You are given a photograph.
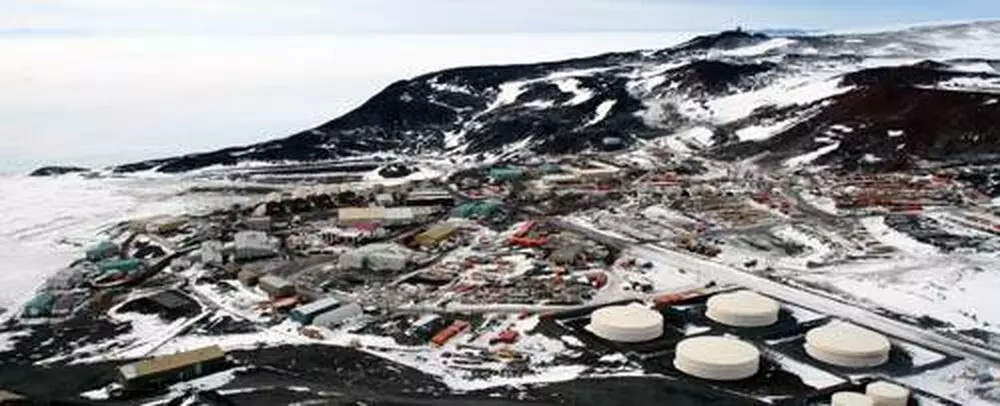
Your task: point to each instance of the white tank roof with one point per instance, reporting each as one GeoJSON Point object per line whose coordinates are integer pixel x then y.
{"type": "Point", "coordinates": [628, 323]}
{"type": "Point", "coordinates": [887, 394]}
{"type": "Point", "coordinates": [717, 358]}
{"type": "Point", "coordinates": [743, 309]}
{"type": "Point", "coordinates": [847, 345]}
{"type": "Point", "coordinates": [850, 399]}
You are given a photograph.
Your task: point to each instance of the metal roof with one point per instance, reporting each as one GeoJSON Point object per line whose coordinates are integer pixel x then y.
{"type": "Point", "coordinates": [171, 362]}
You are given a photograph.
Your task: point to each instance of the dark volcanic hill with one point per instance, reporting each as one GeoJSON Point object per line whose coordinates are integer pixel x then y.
{"type": "Point", "coordinates": [874, 100]}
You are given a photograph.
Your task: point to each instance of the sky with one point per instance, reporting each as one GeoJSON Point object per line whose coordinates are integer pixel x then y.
{"type": "Point", "coordinates": [293, 17]}
{"type": "Point", "coordinates": [99, 82]}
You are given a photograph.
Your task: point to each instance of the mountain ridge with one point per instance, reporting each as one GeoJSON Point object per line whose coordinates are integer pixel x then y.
{"type": "Point", "coordinates": [729, 83]}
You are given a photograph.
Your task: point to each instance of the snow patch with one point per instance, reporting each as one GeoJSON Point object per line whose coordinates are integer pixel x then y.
{"type": "Point", "coordinates": [811, 156]}
{"type": "Point", "coordinates": [572, 85]}
{"type": "Point", "coordinates": [602, 111]}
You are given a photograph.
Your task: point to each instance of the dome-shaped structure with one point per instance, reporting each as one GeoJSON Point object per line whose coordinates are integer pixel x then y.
{"type": "Point", "coordinates": [627, 324]}
{"type": "Point", "coordinates": [850, 399]}
{"type": "Point", "coordinates": [743, 309]}
{"type": "Point", "coordinates": [717, 358]}
{"type": "Point", "coordinates": [847, 345]}
{"type": "Point", "coordinates": [887, 394]}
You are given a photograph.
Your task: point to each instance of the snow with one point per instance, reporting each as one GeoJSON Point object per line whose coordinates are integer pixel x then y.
{"type": "Point", "coordinates": [761, 48]}
{"type": "Point", "coordinates": [763, 132]}
{"type": "Point", "coordinates": [877, 228]}
{"type": "Point", "coordinates": [572, 85]}
{"type": "Point", "coordinates": [572, 341]}
{"type": "Point", "coordinates": [701, 136]}
{"type": "Point", "coordinates": [42, 217]}
{"type": "Point", "coordinates": [870, 158]}
{"type": "Point", "coordinates": [602, 111]}
{"type": "Point", "coordinates": [823, 203]}
{"type": "Point", "coordinates": [9, 338]}
{"type": "Point", "coordinates": [796, 91]}
{"type": "Point", "coordinates": [967, 382]}
{"type": "Point", "coordinates": [507, 94]}
{"type": "Point", "coordinates": [811, 156]}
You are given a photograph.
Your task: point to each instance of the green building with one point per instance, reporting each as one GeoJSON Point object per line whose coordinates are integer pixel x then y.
{"type": "Point", "coordinates": [120, 265]}
{"type": "Point", "coordinates": [502, 173]}
{"type": "Point", "coordinates": [477, 209]}
{"type": "Point", "coordinates": [101, 251]}
{"type": "Point", "coordinates": [40, 305]}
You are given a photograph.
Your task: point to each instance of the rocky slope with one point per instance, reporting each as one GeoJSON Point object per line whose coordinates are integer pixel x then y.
{"type": "Point", "coordinates": [878, 101]}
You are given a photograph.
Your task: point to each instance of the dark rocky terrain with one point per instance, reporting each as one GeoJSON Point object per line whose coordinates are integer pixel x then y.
{"type": "Point", "coordinates": [887, 100]}
{"type": "Point", "coordinates": [57, 170]}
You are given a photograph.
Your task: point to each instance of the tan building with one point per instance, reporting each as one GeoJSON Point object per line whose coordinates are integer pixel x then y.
{"type": "Point", "coordinates": [435, 235]}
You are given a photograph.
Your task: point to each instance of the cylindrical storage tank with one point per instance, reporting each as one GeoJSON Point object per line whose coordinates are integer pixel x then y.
{"type": "Point", "coordinates": [627, 324]}
{"type": "Point", "coordinates": [847, 345]}
{"type": "Point", "coordinates": [850, 399]}
{"type": "Point", "coordinates": [887, 394]}
{"type": "Point", "coordinates": [717, 358]}
{"type": "Point", "coordinates": [743, 309]}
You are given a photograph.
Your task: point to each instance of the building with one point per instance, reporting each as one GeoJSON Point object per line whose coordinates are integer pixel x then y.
{"type": "Point", "coordinates": [276, 286]}
{"type": "Point", "coordinates": [376, 257]}
{"type": "Point", "coordinates": [248, 277]}
{"type": "Point", "coordinates": [40, 306]}
{"type": "Point", "coordinates": [101, 251]}
{"type": "Point", "coordinates": [306, 313]}
{"type": "Point", "coordinates": [435, 235]}
{"type": "Point", "coordinates": [430, 197]}
{"type": "Point", "coordinates": [387, 261]}
{"type": "Point", "coordinates": [478, 209]}
{"type": "Point", "coordinates": [506, 174]}
{"type": "Point", "coordinates": [249, 245]}
{"type": "Point", "coordinates": [337, 316]}
{"type": "Point", "coordinates": [258, 223]}
{"type": "Point", "coordinates": [128, 265]}
{"type": "Point", "coordinates": [380, 215]}
{"type": "Point", "coordinates": [162, 370]}
{"type": "Point", "coordinates": [211, 252]}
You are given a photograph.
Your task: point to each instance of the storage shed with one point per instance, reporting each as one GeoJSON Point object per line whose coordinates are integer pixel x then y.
{"type": "Point", "coordinates": [276, 286]}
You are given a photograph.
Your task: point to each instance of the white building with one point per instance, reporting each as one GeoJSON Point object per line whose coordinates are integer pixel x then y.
{"type": "Point", "coordinates": [252, 245]}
